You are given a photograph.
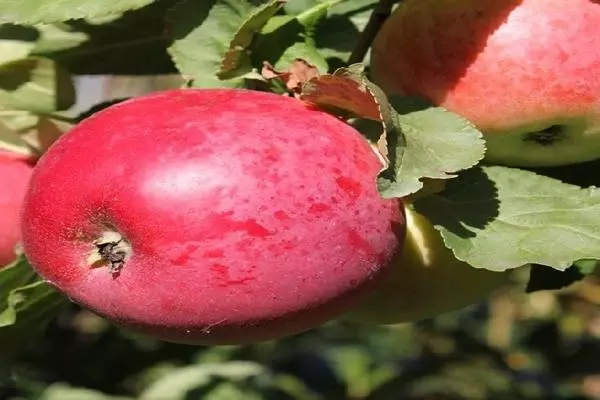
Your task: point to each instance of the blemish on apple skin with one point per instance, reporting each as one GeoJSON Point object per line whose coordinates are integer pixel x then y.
{"type": "Point", "coordinates": [358, 242]}
{"type": "Point", "coordinates": [182, 259]}
{"type": "Point", "coordinates": [288, 244]}
{"type": "Point", "coordinates": [349, 186]}
{"type": "Point", "coordinates": [271, 154]}
{"type": "Point", "coordinates": [226, 224]}
{"type": "Point", "coordinates": [221, 273]}
{"type": "Point", "coordinates": [220, 269]}
{"type": "Point", "coordinates": [254, 228]}
{"type": "Point", "coordinates": [281, 215]}
{"type": "Point", "coordinates": [318, 208]}
{"type": "Point", "coordinates": [185, 255]}
{"type": "Point", "coordinates": [214, 253]}
{"type": "Point", "coordinates": [282, 247]}
{"type": "Point", "coordinates": [191, 247]}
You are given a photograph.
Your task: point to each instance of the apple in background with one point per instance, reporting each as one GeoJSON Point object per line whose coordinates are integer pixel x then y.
{"type": "Point", "coordinates": [426, 280]}
{"type": "Point", "coordinates": [15, 172]}
{"type": "Point", "coordinates": [525, 72]}
{"type": "Point", "coordinates": [213, 216]}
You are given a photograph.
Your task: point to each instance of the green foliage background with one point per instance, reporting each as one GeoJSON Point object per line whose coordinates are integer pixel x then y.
{"type": "Point", "coordinates": [516, 346]}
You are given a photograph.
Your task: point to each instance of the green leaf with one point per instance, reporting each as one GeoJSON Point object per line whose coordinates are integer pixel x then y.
{"type": "Point", "coordinates": [303, 51]}
{"type": "Point", "coordinates": [30, 134]}
{"type": "Point", "coordinates": [57, 37]}
{"type": "Point", "coordinates": [237, 57]}
{"type": "Point", "coordinates": [298, 6]}
{"type": "Point", "coordinates": [581, 174]}
{"type": "Point", "coordinates": [419, 142]}
{"type": "Point", "coordinates": [134, 43]}
{"type": "Point", "coordinates": [336, 36]}
{"type": "Point", "coordinates": [499, 218]}
{"type": "Point", "coordinates": [16, 42]}
{"type": "Point", "coordinates": [311, 17]}
{"type": "Point", "coordinates": [14, 275]}
{"type": "Point", "coordinates": [353, 365]}
{"type": "Point", "coordinates": [61, 391]}
{"type": "Point", "coordinates": [278, 34]}
{"type": "Point", "coordinates": [293, 387]}
{"type": "Point", "coordinates": [27, 304]}
{"type": "Point", "coordinates": [202, 31]}
{"type": "Point", "coordinates": [427, 142]}
{"type": "Point", "coordinates": [586, 267]}
{"type": "Point", "coordinates": [13, 142]}
{"type": "Point", "coordinates": [231, 391]}
{"type": "Point", "coordinates": [176, 384]}
{"type": "Point", "coordinates": [34, 11]}
{"type": "Point", "coordinates": [18, 120]}
{"type": "Point", "coordinates": [21, 298]}
{"type": "Point", "coordinates": [38, 85]}
{"type": "Point", "coordinates": [286, 38]}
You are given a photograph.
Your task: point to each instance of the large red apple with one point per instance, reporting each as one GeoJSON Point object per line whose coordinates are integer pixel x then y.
{"type": "Point", "coordinates": [526, 72]}
{"type": "Point", "coordinates": [15, 172]}
{"type": "Point", "coordinates": [211, 216]}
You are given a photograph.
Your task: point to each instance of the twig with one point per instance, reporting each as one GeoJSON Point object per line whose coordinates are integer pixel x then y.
{"type": "Point", "coordinates": [381, 12]}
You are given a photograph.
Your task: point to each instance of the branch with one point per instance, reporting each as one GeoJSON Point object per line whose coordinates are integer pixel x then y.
{"type": "Point", "coordinates": [381, 12]}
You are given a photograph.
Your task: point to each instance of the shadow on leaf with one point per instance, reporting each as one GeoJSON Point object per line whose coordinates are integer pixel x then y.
{"type": "Point", "coordinates": [133, 44]}
{"type": "Point", "coordinates": [18, 32]}
{"type": "Point", "coordinates": [468, 201]}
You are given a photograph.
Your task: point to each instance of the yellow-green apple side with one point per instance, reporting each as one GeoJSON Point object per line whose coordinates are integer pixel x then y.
{"type": "Point", "coordinates": [426, 280]}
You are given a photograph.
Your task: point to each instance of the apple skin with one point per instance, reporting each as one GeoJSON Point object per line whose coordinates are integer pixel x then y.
{"type": "Point", "coordinates": [426, 280]}
{"type": "Point", "coordinates": [245, 216]}
{"type": "Point", "coordinates": [15, 172]}
{"type": "Point", "coordinates": [525, 72]}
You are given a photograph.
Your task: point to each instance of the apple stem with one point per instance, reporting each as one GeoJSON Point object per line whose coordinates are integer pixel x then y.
{"type": "Point", "coordinates": [111, 250]}
{"type": "Point", "coordinates": [111, 253]}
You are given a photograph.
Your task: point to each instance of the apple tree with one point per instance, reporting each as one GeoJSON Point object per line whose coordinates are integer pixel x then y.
{"type": "Point", "coordinates": [464, 137]}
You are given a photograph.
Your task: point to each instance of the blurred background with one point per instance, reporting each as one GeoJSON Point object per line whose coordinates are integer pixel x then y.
{"type": "Point", "coordinates": [543, 345]}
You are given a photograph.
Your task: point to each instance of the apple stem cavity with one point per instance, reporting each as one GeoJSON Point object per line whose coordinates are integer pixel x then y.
{"type": "Point", "coordinates": [546, 137]}
{"type": "Point", "coordinates": [111, 250]}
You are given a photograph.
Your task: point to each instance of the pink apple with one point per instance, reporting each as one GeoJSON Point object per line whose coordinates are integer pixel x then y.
{"type": "Point", "coordinates": [526, 72]}
{"type": "Point", "coordinates": [211, 216]}
{"type": "Point", "coordinates": [15, 172]}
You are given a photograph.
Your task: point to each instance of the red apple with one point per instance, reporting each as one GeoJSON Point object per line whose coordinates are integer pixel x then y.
{"type": "Point", "coordinates": [526, 72]}
{"type": "Point", "coordinates": [214, 216]}
{"type": "Point", "coordinates": [15, 172]}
